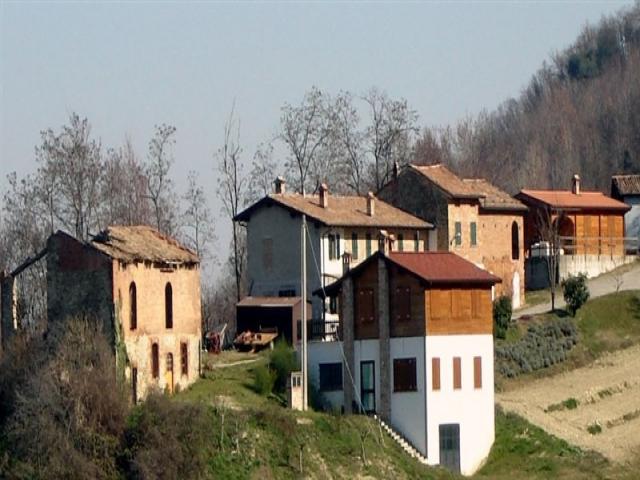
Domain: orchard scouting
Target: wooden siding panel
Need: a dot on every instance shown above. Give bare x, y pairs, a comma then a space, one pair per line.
414, 325
451, 312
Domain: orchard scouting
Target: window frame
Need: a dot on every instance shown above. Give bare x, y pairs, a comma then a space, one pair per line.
359, 304
400, 383
168, 306
133, 306
435, 374
402, 311
457, 373
473, 234
369, 244
354, 246
515, 241
477, 373
330, 377
184, 359
155, 360
457, 233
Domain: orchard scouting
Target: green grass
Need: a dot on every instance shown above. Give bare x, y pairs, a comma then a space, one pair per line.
536, 297
568, 404
524, 451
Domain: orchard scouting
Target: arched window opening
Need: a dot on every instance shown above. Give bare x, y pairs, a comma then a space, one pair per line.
168, 306
155, 361
515, 241
133, 307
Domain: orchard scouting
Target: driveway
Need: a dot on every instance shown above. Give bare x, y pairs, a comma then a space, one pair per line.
598, 286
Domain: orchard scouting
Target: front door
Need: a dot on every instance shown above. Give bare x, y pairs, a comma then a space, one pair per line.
368, 386
168, 376
450, 446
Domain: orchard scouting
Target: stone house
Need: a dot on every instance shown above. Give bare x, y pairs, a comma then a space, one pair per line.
417, 350
145, 289
336, 225
589, 223
472, 217
626, 188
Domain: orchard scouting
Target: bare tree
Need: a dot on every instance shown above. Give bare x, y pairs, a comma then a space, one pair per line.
548, 225
304, 130
160, 185
232, 190
389, 134
351, 139
198, 221
262, 173
72, 164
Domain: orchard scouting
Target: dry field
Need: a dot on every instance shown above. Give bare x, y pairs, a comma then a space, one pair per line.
603, 397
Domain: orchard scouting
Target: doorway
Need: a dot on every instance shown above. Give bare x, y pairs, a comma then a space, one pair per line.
450, 446
368, 386
168, 376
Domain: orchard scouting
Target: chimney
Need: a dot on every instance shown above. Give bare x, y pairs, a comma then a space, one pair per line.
385, 242
346, 262
324, 195
279, 184
371, 204
576, 184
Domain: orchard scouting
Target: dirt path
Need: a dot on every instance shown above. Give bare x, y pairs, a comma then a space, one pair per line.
608, 392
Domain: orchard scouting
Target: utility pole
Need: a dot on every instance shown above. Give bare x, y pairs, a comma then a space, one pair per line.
303, 259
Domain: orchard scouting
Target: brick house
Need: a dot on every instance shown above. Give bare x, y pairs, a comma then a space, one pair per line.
337, 225
472, 217
590, 226
417, 350
145, 289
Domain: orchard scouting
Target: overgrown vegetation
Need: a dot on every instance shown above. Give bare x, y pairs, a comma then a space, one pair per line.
568, 404
575, 291
273, 378
502, 311
544, 344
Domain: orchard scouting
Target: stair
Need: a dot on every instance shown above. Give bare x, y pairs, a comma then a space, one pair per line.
403, 442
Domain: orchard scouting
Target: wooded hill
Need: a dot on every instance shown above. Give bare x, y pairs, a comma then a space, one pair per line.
580, 113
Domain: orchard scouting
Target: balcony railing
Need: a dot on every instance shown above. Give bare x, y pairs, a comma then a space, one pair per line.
321, 330
599, 245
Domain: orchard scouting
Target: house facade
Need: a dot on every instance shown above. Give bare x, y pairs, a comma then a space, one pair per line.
336, 225
144, 288
472, 218
417, 350
589, 225
626, 188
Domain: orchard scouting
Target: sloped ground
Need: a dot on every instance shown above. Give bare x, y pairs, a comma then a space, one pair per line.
607, 394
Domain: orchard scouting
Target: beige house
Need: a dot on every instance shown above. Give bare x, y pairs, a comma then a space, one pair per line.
473, 219
145, 289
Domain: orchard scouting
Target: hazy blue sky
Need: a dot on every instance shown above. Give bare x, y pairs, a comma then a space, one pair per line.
128, 66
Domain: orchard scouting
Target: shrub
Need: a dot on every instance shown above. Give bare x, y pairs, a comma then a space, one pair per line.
263, 380
502, 311
543, 345
576, 292
282, 361
594, 428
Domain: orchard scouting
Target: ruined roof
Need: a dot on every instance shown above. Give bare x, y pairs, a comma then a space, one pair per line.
566, 199
626, 184
493, 197
435, 268
141, 243
448, 181
269, 301
345, 211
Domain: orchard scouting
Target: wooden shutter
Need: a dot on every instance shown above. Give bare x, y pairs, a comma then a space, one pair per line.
366, 307
477, 372
435, 373
403, 304
457, 373
404, 375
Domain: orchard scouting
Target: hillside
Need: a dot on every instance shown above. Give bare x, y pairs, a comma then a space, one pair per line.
580, 113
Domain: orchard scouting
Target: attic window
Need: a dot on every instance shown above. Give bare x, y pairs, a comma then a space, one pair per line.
168, 306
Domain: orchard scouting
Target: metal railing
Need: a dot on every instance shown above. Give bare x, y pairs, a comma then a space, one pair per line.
600, 245
322, 330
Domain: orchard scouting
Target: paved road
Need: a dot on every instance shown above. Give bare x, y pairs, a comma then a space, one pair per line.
597, 287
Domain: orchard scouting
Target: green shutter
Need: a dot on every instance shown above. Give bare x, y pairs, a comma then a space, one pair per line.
474, 241
458, 233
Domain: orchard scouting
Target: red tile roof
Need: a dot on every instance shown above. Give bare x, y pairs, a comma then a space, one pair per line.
447, 181
566, 199
442, 267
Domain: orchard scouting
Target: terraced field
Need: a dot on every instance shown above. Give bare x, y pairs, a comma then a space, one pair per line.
596, 407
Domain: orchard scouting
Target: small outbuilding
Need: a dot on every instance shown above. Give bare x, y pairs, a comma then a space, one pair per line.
284, 314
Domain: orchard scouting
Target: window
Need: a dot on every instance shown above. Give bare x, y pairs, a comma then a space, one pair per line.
168, 306
184, 359
365, 305
477, 372
474, 233
458, 234
404, 375
368, 237
333, 304
334, 247
134, 385
416, 242
155, 361
400, 242
435, 373
133, 307
515, 242
267, 253
403, 304
457, 373
354, 246
330, 377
